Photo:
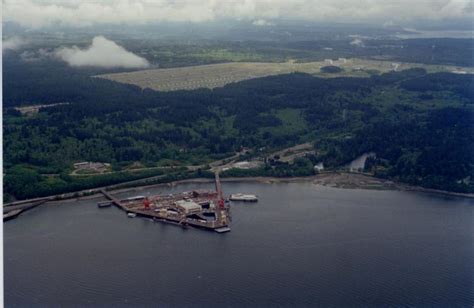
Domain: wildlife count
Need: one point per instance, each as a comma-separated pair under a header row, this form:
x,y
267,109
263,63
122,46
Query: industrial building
x,y
188,206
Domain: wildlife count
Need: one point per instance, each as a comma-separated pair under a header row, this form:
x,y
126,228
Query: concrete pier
x,y
167,209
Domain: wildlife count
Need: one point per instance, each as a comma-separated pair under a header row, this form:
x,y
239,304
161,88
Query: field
x,y
218,75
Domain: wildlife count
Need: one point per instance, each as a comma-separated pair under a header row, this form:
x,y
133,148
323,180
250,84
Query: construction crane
x,y
220,196
221,214
146,204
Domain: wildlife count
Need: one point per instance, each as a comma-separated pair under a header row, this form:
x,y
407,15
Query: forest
x,y
419,124
306,49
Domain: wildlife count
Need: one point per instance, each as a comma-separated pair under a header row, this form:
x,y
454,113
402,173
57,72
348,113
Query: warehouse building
x,y
188,207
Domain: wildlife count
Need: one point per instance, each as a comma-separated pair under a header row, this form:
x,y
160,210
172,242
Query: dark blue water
x,y
300,245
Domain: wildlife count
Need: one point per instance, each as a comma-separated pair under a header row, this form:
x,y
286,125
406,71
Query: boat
x,y
135,198
222,229
104,204
131,215
243,197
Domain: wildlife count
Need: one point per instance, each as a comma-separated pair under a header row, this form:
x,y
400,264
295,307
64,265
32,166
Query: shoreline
x,y
341,180
329,179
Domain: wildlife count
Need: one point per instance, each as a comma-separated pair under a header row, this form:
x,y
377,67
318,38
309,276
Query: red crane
x,y
220,201
146,204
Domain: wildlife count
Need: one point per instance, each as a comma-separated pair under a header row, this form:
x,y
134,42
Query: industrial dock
x,y
205,209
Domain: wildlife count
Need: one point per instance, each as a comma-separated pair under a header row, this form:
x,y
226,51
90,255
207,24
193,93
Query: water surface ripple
x,y
300,245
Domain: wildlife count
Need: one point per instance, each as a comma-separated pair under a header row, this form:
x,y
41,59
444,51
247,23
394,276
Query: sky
x,y
80,13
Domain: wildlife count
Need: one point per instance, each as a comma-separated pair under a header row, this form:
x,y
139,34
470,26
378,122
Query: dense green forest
x,y
418,124
32,77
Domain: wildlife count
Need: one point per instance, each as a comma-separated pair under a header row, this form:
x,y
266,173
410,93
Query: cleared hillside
x,y
218,75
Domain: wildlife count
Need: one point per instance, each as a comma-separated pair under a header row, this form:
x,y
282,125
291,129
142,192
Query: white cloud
x,y
37,13
102,53
40,54
262,22
13,43
357,42
389,23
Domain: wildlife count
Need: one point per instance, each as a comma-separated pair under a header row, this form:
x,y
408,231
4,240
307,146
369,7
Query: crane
x,y
221,214
146,203
220,196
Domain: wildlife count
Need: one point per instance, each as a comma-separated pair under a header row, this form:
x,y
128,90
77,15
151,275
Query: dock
x,y
11,212
202,209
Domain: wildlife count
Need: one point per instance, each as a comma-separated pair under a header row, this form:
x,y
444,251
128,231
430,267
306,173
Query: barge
x,y
243,197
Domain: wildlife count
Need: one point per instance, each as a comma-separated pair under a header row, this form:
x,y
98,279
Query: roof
x,y
188,205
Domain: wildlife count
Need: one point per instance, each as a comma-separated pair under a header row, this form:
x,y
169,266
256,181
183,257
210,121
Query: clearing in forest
x,y
218,75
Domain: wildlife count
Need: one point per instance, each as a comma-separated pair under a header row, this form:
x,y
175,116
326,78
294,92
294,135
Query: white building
x,y
328,61
188,206
319,167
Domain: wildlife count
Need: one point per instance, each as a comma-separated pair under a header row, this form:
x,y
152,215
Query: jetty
x,y
204,209
13,211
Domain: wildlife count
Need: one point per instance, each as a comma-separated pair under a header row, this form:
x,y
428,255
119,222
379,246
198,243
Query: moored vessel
x,y
243,197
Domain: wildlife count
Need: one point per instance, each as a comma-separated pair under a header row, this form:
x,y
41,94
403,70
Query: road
x,y
216,166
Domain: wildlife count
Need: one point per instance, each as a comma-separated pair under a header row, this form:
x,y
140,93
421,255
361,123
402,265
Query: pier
x,y
13,211
198,208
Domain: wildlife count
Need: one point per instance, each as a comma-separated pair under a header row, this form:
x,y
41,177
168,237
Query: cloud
x,y
389,24
38,13
262,22
33,56
13,43
357,42
102,53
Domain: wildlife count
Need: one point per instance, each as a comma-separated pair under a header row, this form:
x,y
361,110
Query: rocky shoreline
x,y
343,180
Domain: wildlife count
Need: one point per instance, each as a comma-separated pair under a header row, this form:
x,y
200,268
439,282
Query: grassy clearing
x,y
292,119
218,75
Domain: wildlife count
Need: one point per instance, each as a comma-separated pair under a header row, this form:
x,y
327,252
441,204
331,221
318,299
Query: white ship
x,y
243,197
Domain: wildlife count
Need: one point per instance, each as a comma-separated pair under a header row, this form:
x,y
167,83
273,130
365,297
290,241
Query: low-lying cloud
x,y
38,13
262,22
357,42
102,53
13,43
34,56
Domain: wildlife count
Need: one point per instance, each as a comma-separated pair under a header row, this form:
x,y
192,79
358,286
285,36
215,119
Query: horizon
x,y
41,14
